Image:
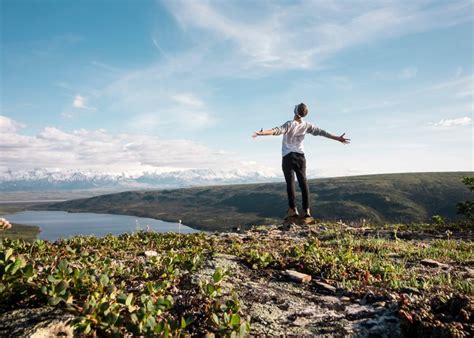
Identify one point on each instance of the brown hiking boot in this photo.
(292, 213)
(307, 214)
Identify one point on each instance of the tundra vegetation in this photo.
(146, 283)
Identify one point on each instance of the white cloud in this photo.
(7, 125)
(105, 151)
(457, 122)
(79, 102)
(408, 73)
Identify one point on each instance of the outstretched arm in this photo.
(341, 138)
(274, 131)
(263, 132)
(318, 131)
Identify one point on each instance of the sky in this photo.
(163, 85)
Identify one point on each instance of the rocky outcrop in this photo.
(279, 306)
(36, 323)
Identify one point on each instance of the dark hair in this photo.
(301, 110)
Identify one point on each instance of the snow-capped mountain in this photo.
(51, 179)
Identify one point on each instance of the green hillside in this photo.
(405, 198)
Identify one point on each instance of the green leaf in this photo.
(235, 320)
(28, 271)
(88, 328)
(19, 262)
(122, 298)
(129, 299)
(62, 265)
(61, 287)
(8, 253)
(243, 329)
(103, 280)
(52, 279)
(215, 319)
(54, 301)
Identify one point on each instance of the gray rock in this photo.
(150, 253)
(331, 302)
(355, 311)
(325, 287)
(37, 322)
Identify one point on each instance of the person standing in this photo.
(294, 161)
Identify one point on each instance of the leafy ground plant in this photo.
(112, 288)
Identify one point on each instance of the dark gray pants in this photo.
(295, 163)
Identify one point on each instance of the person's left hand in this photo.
(344, 140)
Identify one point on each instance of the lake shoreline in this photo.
(28, 233)
(54, 225)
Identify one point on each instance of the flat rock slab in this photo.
(325, 287)
(298, 276)
(433, 263)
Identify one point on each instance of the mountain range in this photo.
(58, 180)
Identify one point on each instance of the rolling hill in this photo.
(404, 198)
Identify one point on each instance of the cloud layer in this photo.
(101, 150)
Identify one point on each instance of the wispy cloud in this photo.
(456, 122)
(408, 73)
(304, 34)
(188, 100)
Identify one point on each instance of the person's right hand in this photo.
(257, 133)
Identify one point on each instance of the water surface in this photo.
(61, 224)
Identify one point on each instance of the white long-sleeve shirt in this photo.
(293, 135)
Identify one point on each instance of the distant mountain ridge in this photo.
(384, 198)
(49, 180)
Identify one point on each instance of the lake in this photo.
(61, 224)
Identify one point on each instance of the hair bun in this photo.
(301, 110)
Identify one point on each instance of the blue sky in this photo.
(134, 85)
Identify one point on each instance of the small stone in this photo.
(331, 302)
(326, 287)
(298, 276)
(355, 311)
(379, 304)
(433, 263)
(150, 253)
(345, 299)
(300, 321)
